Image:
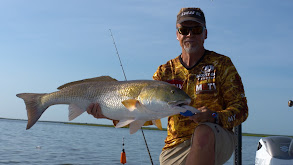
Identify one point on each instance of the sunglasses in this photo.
(193, 30)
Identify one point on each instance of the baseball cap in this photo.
(191, 14)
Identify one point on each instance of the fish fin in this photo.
(123, 123)
(135, 126)
(95, 79)
(74, 111)
(131, 104)
(158, 123)
(148, 123)
(33, 107)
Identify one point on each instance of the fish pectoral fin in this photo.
(74, 111)
(131, 104)
(123, 123)
(135, 126)
(158, 123)
(101, 78)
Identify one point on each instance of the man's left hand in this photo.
(204, 116)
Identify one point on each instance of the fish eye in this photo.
(172, 91)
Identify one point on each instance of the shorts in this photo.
(224, 147)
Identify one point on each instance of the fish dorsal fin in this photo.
(95, 79)
(158, 123)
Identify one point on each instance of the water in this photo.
(57, 143)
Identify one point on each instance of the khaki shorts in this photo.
(224, 147)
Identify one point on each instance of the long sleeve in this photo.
(235, 109)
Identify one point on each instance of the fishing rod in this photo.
(118, 55)
(126, 80)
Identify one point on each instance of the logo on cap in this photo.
(191, 13)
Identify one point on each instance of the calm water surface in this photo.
(57, 143)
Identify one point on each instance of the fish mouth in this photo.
(179, 103)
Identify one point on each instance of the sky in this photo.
(45, 44)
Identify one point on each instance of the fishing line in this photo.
(126, 80)
(118, 55)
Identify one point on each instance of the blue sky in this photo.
(44, 44)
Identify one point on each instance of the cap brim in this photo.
(190, 19)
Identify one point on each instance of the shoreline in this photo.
(145, 128)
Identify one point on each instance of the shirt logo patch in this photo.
(206, 80)
(177, 83)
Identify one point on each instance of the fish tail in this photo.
(33, 107)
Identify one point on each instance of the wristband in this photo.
(216, 117)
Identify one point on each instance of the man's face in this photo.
(191, 42)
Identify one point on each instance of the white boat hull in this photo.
(274, 150)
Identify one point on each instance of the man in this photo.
(215, 87)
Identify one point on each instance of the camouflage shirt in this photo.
(213, 82)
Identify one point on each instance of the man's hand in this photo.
(95, 110)
(204, 116)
